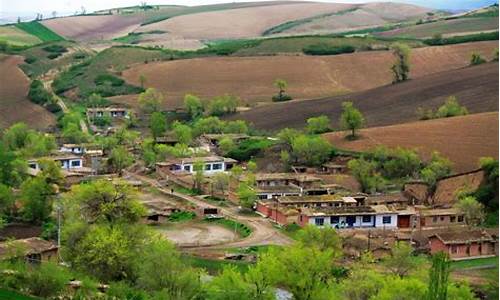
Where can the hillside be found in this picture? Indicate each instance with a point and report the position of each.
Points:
(14, 105)
(308, 77)
(475, 87)
(462, 139)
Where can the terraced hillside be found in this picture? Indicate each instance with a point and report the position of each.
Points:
(251, 78)
(475, 87)
(462, 139)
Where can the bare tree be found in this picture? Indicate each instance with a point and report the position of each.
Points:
(54, 14)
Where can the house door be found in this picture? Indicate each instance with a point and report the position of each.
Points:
(403, 221)
(350, 220)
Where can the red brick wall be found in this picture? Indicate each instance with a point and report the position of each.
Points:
(263, 209)
(461, 249)
(436, 245)
(303, 220)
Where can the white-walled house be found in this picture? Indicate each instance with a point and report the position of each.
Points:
(72, 148)
(376, 216)
(211, 164)
(68, 162)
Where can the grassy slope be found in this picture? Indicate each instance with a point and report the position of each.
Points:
(37, 29)
(11, 295)
(15, 36)
(473, 263)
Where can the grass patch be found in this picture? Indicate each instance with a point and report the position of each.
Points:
(472, 263)
(11, 295)
(249, 148)
(185, 191)
(182, 216)
(242, 229)
(483, 36)
(17, 37)
(290, 230)
(213, 266)
(37, 29)
(215, 200)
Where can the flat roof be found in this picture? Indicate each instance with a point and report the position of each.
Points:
(204, 159)
(463, 236)
(315, 199)
(347, 210)
(439, 212)
(286, 176)
(31, 245)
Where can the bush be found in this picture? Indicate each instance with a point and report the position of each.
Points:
(102, 121)
(53, 108)
(488, 36)
(30, 59)
(325, 49)
(47, 281)
(79, 56)
(284, 97)
(55, 49)
(318, 125)
(108, 78)
(181, 216)
(38, 94)
(249, 148)
(476, 59)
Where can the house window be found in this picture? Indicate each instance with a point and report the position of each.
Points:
(386, 219)
(208, 167)
(75, 163)
(434, 219)
(33, 166)
(187, 168)
(319, 221)
(441, 218)
(367, 219)
(454, 249)
(262, 197)
(217, 166)
(453, 219)
(334, 219)
(460, 219)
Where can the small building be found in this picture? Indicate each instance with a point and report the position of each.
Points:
(429, 218)
(113, 112)
(332, 168)
(35, 250)
(67, 161)
(278, 214)
(215, 138)
(72, 148)
(158, 212)
(211, 164)
(271, 185)
(376, 216)
(464, 244)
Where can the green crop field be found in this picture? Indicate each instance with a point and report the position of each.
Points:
(40, 31)
(473, 263)
(10, 295)
(15, 36)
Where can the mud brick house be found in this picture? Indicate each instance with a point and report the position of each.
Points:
(431, 218)
(35, 250)
(211, 165)
(114, 112)
(157, 212)
(375, 216)
(464, 244)
(272, 185)
(67, 161)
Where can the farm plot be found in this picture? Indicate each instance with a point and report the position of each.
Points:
(462, 139)
(14, 105)
(251, 78)
(475, 87)
(459, 26)
(16, 36)
(90, 28)
(37, 29)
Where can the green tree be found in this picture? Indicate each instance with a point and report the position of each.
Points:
(363, 283)
(451, 108)
(142, 80)
(207, 125)
(12, 167)
(285, 159)
(476, 59)
(287, 135)
(246, 195)
(402, 163)
(120, 159)
(236, 126)
(322, 238)
(401, 67)
(47, 280)
(366, 174)
(183, 133)
(281, 84)
(150, 101)
(402, 261)
(351, 118)
(437, 168)
(401, 288)
(15, 136)
(318, 125)
(157, 124)
(229, 285)
(495, 55)
(199, 175)
(220, 181)
(226, 145)
(193, 106)
(263, 276)
(96, 100)
(222, 105)
(473, 210)
(310, 150)
(6, 201)
(36, 198)
(438, 277)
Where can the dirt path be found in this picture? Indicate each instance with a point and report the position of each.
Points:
(263, 232)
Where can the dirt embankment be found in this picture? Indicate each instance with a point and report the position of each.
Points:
(14, 104)
(462, 139)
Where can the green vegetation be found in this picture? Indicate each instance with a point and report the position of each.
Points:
(476, 59)
(37, 29)
(181, 216)
(11, 295)
(249, 148)
(351, 119)
(14, 36)
(241, 229)
(281, 84)
(473, 263)
(477, 37)
(214, 266)
(451, 108)
(401, 68)
(318, 125)
(324, 49)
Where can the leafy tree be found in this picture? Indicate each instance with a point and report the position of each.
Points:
(281, 84)
(476, 59)
(150, 101)
(208, 125)
(38, 94)
(318, 125)
(322, 238)
(12, 167)
(15, 136)
(401, 68)
(366, 174)
(160, 269)
(401, 288)
(6, 201)
(236, 172)
(193, 106)
(487, 193)
(199, 175)
(221, 181)
(183, 133)
(36, 198)
(237, 126)
(222, 105)
(246, 195)
(96, 100)
(437, 168)
(351, 118)
(47, 280)
(402, 163)
(226, 145)
(473, 210)
(451, 108)
(401, 262)
(263, 276)
(438, 277)
(363, 284)
(157, 124)
(72, 134)
(142, 80)
(495, 55)
(287, 135)
(285, 159)
(120, 159)
(229, 285)
(310, 150)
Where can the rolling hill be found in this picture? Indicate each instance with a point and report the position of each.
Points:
(462, 139)
(475, 87)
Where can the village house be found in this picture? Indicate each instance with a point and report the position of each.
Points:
(464, 244)
(215, 138)
(113, 112)
(431, 218)
(158, 212)
(67, 161)
(35, 250)
(376, 216)
(272, 185)
(211, 164)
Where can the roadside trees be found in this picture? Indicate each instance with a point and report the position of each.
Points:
(351, 119)
(401, 67)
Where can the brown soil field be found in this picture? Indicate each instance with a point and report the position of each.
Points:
(367, 15)
(87, 28)
(308, 77)
(14, 105)
(241, 22)
(462, 139)
(475, 87)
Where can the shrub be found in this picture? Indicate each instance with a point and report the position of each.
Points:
(79, 55)
(284, 97)
(53, 55)
(181, 216)
(30, 59)
(102, 121)
(483, 36)
(325, 49)
(249, 148)
(476, 59)
(318, 125)
(108, 78)
(38, 94)
(55, 49)
(47, 281)
(451, 108)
